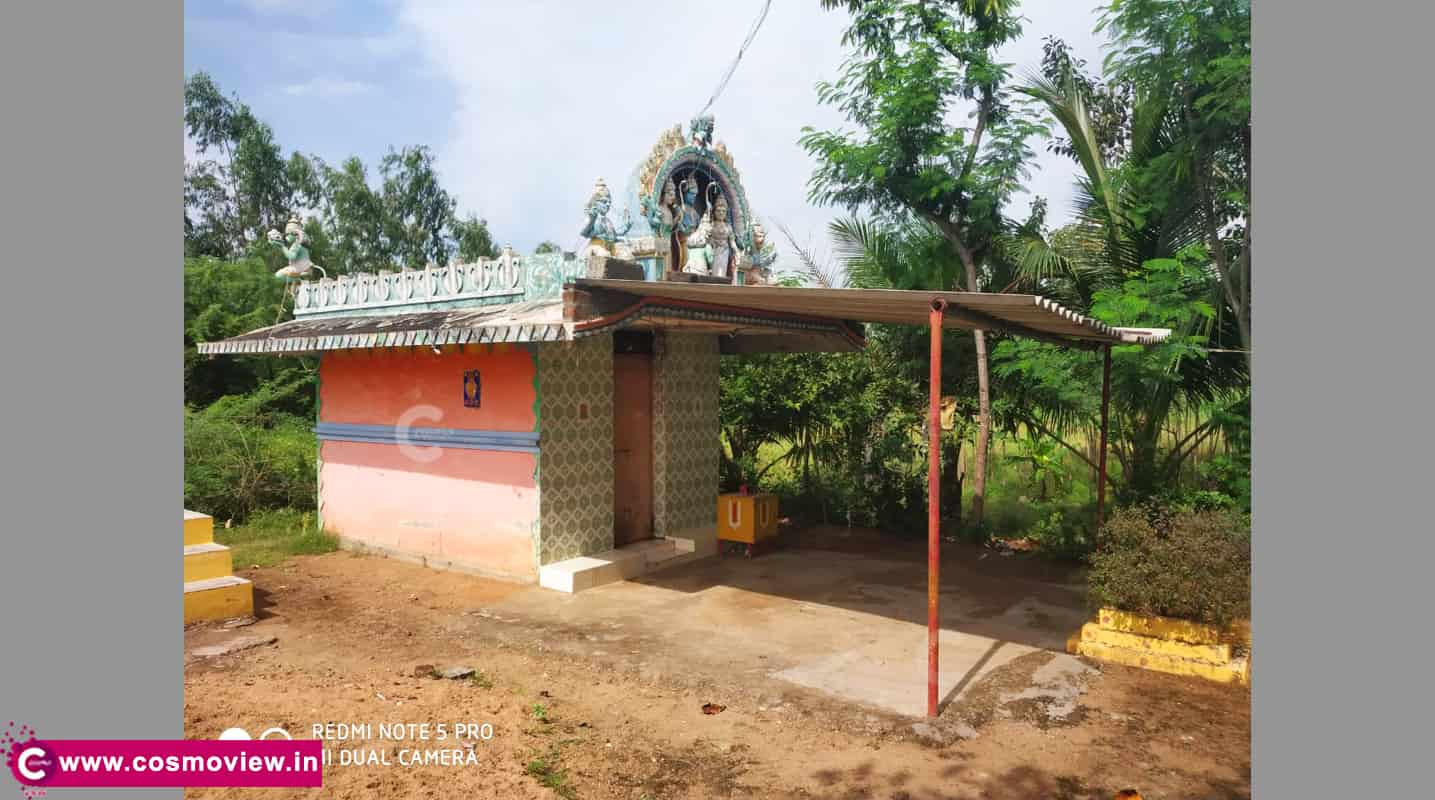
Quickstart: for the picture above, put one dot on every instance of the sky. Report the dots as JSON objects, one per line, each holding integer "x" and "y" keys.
{"x": 527, "y": 104}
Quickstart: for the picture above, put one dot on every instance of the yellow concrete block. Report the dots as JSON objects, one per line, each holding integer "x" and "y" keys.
{"x": 748, "y": 518}
{"x": 1237, "y": 671}
{"x": 218, "y": 598}
{"x": 205, "y": 561}
{"x": 198, "y": 528}
{"x": 1159, "y": 627}
{"x": 1209, "y": 653}
{"x": 1239, "y": 634}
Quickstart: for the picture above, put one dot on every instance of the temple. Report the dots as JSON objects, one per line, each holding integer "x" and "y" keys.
{"x": 553, "y": 418}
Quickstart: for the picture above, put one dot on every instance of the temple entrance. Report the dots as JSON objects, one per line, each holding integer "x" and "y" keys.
{"x": 632, "y": 440}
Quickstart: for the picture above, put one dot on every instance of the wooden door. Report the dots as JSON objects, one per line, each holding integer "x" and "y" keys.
{"x": 632, "y": 447}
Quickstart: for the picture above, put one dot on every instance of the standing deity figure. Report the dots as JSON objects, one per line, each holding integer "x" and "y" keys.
{"x": 763, "y": 254}
{"x": 294, "y": 249}
{"x": 686, "y": 223}
{"x": 663, "y": 216}
{"x": 701, "y": 131}
{"x": 599, "y": 230}
{"x": 664, "y": 219}
{"x": 719, "y": 239}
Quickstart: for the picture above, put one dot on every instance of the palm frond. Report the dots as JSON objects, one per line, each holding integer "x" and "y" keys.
{"x": 822, "y": 273}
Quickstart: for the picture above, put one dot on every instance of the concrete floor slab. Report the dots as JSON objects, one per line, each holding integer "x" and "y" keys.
{"x": 851, "y": 625}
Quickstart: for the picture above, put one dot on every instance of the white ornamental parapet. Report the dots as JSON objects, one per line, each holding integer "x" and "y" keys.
{"x": 501, "y": 277}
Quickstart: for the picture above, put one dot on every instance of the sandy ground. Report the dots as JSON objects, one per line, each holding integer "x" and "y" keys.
{"x": 622, "y": 681}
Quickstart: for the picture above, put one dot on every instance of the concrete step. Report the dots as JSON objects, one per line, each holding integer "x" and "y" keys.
{"x": 198, "y": 528}
{"x": 1237, "y": 670}
{"x": 218, "y": 598}
{"x": 205, "y": 561}
{"x": 620, "y": 564}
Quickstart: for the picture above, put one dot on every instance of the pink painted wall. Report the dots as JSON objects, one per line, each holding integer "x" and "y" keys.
{"x": 473, "y": 509}
{"x": 378, "y": 388}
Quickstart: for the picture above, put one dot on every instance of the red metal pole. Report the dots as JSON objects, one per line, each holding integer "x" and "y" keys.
{"x": 1101, "y": 459}
{"x": 934, "y": 502}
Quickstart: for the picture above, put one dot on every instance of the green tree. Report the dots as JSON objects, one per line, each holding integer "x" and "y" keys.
{"x": 247, "y": 193}
{"x": 1136, "y": 256}
{"x": 474, "y": 239}
{"x": 1196, "y": 57}
{"x": 418, "y": 211}
{"x": 357, "y": 227}
{"x": 913, "y": 64}
{"x": 547, "y": 247}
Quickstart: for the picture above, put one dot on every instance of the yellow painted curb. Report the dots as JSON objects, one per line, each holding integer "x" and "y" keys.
{"x": 205, "y": 561}
{"x": 1159, "y": 627}
{"x": 1210, "y": 653}
{"x": 198, "y": 528}
{"x": 1237, "y": 671}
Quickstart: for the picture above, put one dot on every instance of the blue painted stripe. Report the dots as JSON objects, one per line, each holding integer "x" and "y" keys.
{"x": 460, "y": 438}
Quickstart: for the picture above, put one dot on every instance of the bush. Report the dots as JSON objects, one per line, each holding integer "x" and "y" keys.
{"x": 1193, "y": 565}
{"x": 240, "y": 458}
{"x": 1063, "y": 532}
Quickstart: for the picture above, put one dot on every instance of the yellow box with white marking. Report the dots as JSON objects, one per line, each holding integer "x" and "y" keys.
{"x": 747, "y": 518}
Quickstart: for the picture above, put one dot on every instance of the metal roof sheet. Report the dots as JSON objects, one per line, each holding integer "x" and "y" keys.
{"x": 1019, "y": 314}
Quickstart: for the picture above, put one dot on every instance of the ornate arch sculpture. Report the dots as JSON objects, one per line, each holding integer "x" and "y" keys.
{"x": 675, "y": 159}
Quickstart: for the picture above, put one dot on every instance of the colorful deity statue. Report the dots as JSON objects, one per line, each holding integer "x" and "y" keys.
{"x": 291, "y": 243}
{"x": 686, "y": 223}
{"x": 762, "y": 256}
{"x": 700, "y": 130}
{"x": 664, "y": 218}
{"x": 664, "y": 215}
{"x": 599, "y": 230}
{"x": 719, "y": 238}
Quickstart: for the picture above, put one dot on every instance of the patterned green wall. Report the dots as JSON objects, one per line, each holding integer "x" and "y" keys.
{"x": 575, "y": 464}
{"x": 685, "y": 432}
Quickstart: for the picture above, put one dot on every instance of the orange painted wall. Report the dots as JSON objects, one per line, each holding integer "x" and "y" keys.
{"x": 378, "y": 388}
{"x": 475, "y": 509}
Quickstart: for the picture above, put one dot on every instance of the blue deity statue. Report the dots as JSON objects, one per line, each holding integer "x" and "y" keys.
{"x": 688, "y": 217}
{"x": 599, "y": 229}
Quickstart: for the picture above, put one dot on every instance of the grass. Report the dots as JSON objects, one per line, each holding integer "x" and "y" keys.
{"x": 540, "y": 712}
{"x": 268, "y": 538}
{"x": 551, "y": 776}
{"x": 481, "y": 680}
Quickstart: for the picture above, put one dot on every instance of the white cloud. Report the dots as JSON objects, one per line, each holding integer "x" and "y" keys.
{"x": 327, "y": 88}
{"x": 549, "y": 96}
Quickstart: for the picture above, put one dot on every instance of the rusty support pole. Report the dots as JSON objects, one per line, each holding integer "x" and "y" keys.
{"x": 934, "y": 502}
{"x": 1101, "y": 458}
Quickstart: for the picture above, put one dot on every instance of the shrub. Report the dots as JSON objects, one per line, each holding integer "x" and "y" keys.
{"x": 1062, "y": 532}
{"x": 239, "y": 458}
{"x": 1193, "y": 565}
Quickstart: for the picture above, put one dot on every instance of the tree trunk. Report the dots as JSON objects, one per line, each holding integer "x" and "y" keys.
{"x": 984, "y": 418}
{"x": 952, "y": 495}
{"x": 984, "y": 405}
{"x": 984, "y": 401}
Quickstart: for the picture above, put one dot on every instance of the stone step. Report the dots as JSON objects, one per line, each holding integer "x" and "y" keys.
{"x": 218, "y": 598}
{"x": 620, "y": 564}
{"x": 198, "y": 528}
{"x": 205, "y": 561}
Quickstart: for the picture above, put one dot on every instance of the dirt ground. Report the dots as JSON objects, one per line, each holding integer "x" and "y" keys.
{"x": 593, "y": 707}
